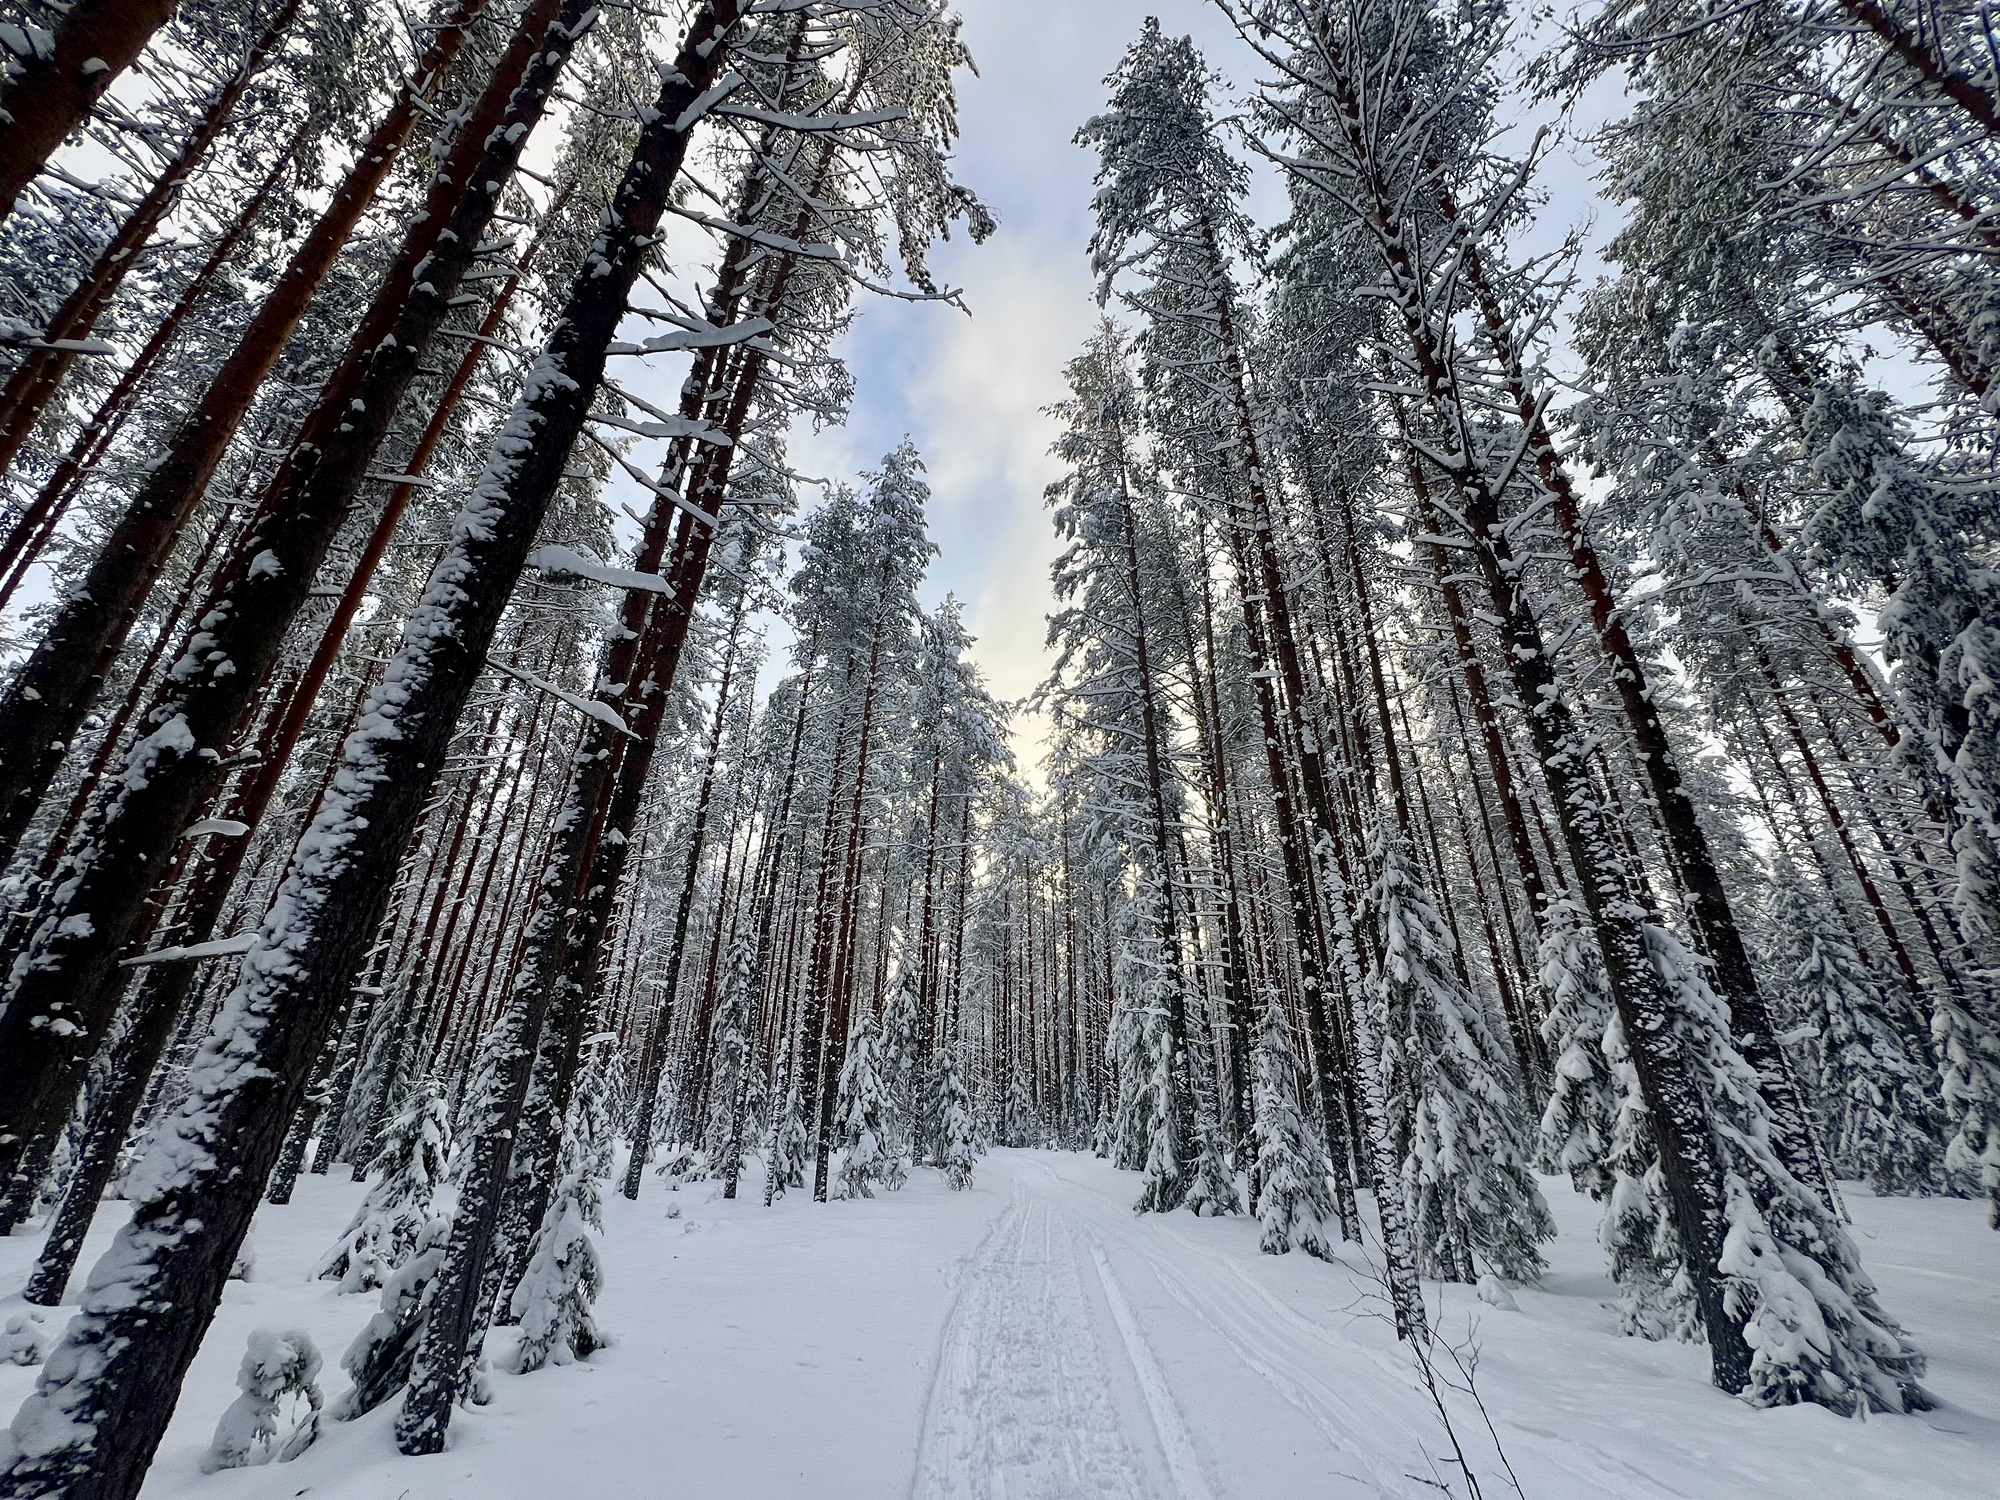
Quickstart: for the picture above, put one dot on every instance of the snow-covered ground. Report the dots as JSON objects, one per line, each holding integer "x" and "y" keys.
{"x": 1032, "y": 1338}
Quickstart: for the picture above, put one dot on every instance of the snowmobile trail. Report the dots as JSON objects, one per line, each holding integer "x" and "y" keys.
{"x": 1373, "y": 1426}
{"x": 1362, "y": 1433}
{"x": 1057, "y": 1371}
{"x": 1175, "y": 1443}
{"x": 1020, "y": 1406}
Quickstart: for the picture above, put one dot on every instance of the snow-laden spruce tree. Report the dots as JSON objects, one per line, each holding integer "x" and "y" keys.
{"x": 1163, "y": 1168}
{"x": 276, "y": 1418}
{"x": 1129, "y": 1046}
{"x": 732, "y": 1059}
{"x": 866, "y": 1161}
{"x": 379, "y": 1358}
{"x": 1877, "y": 1102}
{"x": 1149, "y": 1134}
{"x": 1109, "y": 679}
{"x": 1596, "y": 1129}
{"x": 1385, "y": 106}
{"x": 1584, "y": 1093}
{"x": 613, "y": 1086}
{"x": 565, "y": 1273}
{"x": 1464, "y": 1142}
{"x": 399, "y": 1204}
{"x": 957, "y": 1149}
{"x": 787, "y": 1147}
{"x": 1875, "y": 1095}
{"x": 1656, "y": 1292}
{"x": 1812, "y": 1322}
{"x": 24, "y": 1339}
{"x": 1018, "y": 1123}
{"x": 906, "y": 1076}
{"x": 1890, "y": 517}
{"x": 1293, "y": 1200}
{"x": 1969, "y": 1058}
{"x": 1212, "y": 1188}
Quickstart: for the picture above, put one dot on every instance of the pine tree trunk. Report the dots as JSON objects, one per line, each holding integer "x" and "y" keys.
{"x": 126, "y": 1361}
{"x": 31, "y": 531}
{"x": 1709, "y": 910}
{"x": 48, "y": 698}
{"x": 1318, "y": 836}
{"x": 1315, "y": 954}
{"x": 72, "y": 972}
{"x": 553, "y": 412}
{"x": 840, "y": 985}
{"x": 34, "y": 381}
{"x": 48, "y": 97}
{"x": 1499, "y": 764}
{"x": 1877, "y": 908}
{"x": 305, "y": 1124}
{"x": 926, "y": 918}
{"x": 23, "y": 1172}
{"x": 1207, "y": 695}
{"x": 1676, "y": 1104}
{"x": 156, "y": 1010}
{"x": 111, "y": 740}
{"x": 1180, "y": 1109}
{"x": 697, "y": 1084}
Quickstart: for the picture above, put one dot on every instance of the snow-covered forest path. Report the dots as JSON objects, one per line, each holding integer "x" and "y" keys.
{"x": 1033, "y": 1339}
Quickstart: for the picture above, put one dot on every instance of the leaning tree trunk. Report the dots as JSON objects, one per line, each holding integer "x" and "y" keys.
{"x": 31, "y": 530}
{"x": 638, "y": 673}
{"x": 1319, "y": 835}
{"x": 48, "y": 698}
{"x": 112, "y": 1109}
{"x": 110, "y": 1387}
{"x": 1675, "y": 1103}
{"x": 71, "y": 974}
{"x": 1709, "y": 910}
{"x": 53, "y": 95}
{"x": 494, "y": 547}
{"x": 638, "y": 670}
{"x": 1917, "y": 53}
{"x": 35, "y": 380}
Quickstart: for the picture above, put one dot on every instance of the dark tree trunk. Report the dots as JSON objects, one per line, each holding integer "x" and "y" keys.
{"x": 49, "y": 97}
{"x": 1181, "y": 1112}
{"x": 130, "y": 1347}
{"x": 34, "y": 381}
{"x": 31, "y": 531}
{"x": 1709, "y": 910}
{"x": 137, "y": 1052}
{"x": 72, "y": 970}
{"x": 1921, "y": 57}
{"x": 48, "y": 698}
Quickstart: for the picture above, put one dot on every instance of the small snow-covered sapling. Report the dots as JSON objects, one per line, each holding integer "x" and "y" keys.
{"x": 277, "y": 1415}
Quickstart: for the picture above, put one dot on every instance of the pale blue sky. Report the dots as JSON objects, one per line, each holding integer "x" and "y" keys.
{"x": 969, "y": 389}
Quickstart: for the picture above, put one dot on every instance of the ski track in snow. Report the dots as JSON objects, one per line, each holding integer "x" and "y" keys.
{"x": 1175, "y": 1442}
{"x": 1020, "y": 1405}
